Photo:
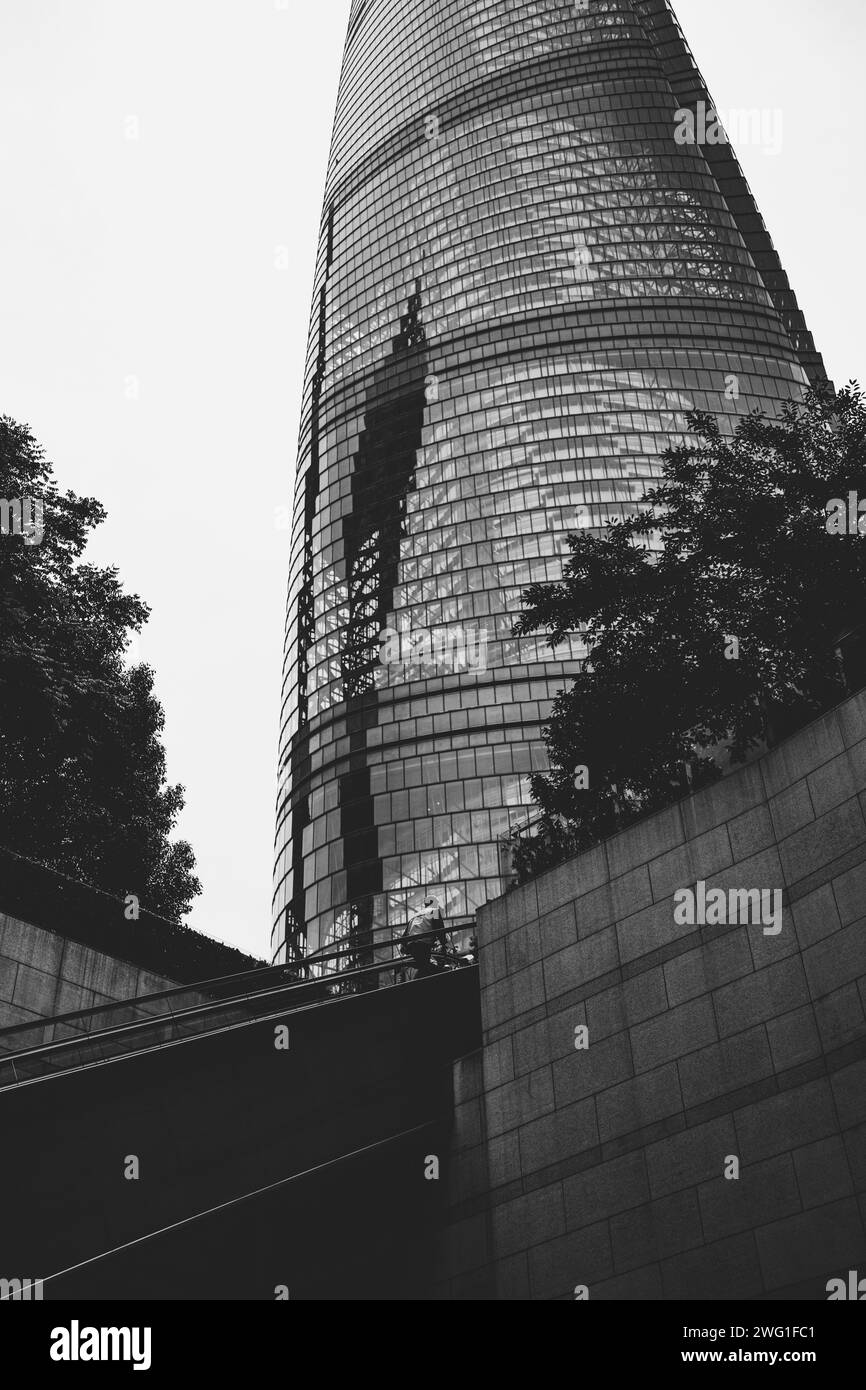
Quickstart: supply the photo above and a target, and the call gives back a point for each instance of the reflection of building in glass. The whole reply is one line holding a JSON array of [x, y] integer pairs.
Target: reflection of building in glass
[[523, 283]]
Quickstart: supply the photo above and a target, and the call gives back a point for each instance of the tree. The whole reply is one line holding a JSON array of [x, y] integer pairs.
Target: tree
[[82, 769], [715, 637]]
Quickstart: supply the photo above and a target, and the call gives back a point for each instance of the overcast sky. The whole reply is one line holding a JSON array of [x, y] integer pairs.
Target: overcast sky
[[155, 156]]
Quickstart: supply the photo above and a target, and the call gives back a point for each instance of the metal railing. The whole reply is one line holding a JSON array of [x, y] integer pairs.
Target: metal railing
[[177, 1015]]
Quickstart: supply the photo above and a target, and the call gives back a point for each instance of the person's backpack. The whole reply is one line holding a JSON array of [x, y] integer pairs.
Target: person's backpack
[[420, 931]]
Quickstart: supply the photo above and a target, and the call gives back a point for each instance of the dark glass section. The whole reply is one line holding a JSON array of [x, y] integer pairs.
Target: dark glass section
[[384, 467], [524, 283], [383, 472]]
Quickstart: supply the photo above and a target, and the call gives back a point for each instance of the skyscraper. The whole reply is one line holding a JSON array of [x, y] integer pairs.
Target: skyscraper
[[531, 265]]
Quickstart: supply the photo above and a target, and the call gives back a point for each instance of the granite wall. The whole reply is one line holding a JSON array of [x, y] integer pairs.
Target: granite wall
[[599, 1159], [43, 974]]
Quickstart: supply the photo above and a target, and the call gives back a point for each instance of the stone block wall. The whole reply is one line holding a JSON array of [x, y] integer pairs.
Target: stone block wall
[[43, 974], [604, 1166]]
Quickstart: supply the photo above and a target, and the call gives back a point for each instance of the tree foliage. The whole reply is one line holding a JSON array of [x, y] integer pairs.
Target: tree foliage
[[82, 769], [721, 636]]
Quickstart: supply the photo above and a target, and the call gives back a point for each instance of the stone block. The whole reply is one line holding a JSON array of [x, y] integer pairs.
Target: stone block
[[725, 1270], [766, 994], [586, 1072], [630, 892], [580, 964], [656, 1231], [8, 971], [39, 949], [579, 1257], [12, 1017], [467, 1175], [673, 1034], [714, 963], [503, 1159], [811, 747], [513, 996], [527, 1221], [761, 870], [794, 1038], [816, 916], [35, 991], [840, 1017], [815, 1243], [543, 938], [591, 870], [519, 1101], [723, 801], [823, 1172], [594, 912], [557, 1136], [763, 1192], [751, 832], [638, 1286], [691, 1157], [493, 963], [528, 942], [724, 1067], [697, 859], [648, 930], [605, 1190], [547, 1040], [467, 1124], [791, 810], [106, 974], [650, 837], [557, 887], [638, 1102], [849, 1091], [836, 961], [785, 1121], [851, 719], [632, 1002], [469, 1076], [498, 1063], [147, 983], [849, 891], [838, 780], [769, 950], [826, 839], [855, 1148], [71, 997], [508, 913]]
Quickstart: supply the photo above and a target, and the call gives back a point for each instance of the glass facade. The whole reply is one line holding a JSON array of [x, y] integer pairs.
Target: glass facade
[[523, 283]]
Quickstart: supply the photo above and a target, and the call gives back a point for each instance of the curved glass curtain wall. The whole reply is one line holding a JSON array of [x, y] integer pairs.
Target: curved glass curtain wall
[[523, 283]]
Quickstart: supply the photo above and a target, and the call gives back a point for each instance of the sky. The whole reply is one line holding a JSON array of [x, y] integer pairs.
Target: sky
[[162, 164]]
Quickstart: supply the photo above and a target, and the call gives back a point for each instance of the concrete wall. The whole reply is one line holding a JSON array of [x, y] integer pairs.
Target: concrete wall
[[43, 974], [605, 1167]]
